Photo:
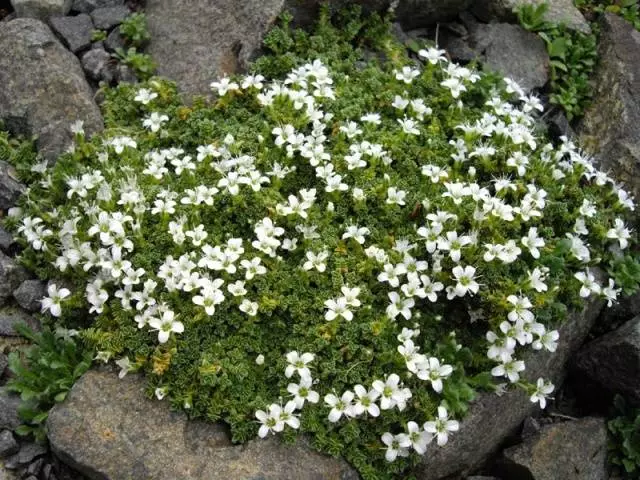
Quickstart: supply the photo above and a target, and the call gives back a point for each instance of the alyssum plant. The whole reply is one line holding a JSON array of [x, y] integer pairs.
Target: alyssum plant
[[349, 249]]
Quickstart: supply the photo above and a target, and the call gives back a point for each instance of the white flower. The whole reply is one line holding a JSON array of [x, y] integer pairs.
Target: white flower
[[253, 81], [391, 273], [298, 363], [407, 74], [433, 55], [373, 118], [432, 371], [144, 96], [351, 295], [418, 437], [317, 261], [271, 421], [125, 366], [536, 279], [465, 278], [77, 127], [610, 292], [249, 307], [441, 426], [339, 406], [337, 308], [521, 306], [165, 325], [400, 306], [357, 233], [397, 446], [154, 121], [253, 267], [409, 126], [542, 392], [260, 360], [224, 85], [454, 85], [365, 401], [532, 241], [396, 197], [53, 302], [589, 284], [391, 394], [621, 233], [302, 392], [510, 369]]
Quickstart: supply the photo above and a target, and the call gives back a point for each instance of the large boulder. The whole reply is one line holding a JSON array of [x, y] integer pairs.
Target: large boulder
[[43, 87], [492, 419], [575, 450], [611, 126], [108, 429], [558, 12], [41, 9], [613, 360], [513, 52], [195, 41]]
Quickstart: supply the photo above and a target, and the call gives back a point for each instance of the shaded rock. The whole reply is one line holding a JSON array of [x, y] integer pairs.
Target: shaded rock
[[9, 404], [87, 6], [41, 9], [106, 18], [418, 13], [613, 360], [75, 32], [492, 419], [558, 11], [28, 453], [619, 313], [575, 450], [114, 40], [8, 444], [10, 187], [4, 363], [10, 317], [458, 49], [29, 294], [7, 242], [97, 430], [11, 276], [610, 128], [35, 467], [513, 52], [43, 87], [99, 65], [204, 39], [125, 74]]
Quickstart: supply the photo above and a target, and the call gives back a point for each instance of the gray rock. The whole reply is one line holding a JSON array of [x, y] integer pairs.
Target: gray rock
[[41, 9], [125, 74], [9, 404], [611, 126], [43, 87], [8, 444], [458, 49], [419, 13], [87, 6], [575, 450], [114, 40], [196, 41], [99, 65], [613, 360], [29, 294], [10, 317], [11, 276], [106, 18], [35, 467], [7, 242], [28, 453], [10, 187], [513, 52], [558, 12], [4, 363], [97, 430], [75, 32], [492, 419]]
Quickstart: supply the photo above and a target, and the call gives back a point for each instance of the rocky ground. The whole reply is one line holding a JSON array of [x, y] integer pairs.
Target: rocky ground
[[49, 72]]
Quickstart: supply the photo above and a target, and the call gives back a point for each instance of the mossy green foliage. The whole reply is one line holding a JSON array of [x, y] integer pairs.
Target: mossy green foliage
[[627, 9], [210, 369], [624, 444], [573, 59]]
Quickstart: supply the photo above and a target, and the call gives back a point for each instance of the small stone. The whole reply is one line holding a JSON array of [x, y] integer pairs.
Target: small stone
[[9, 404], [41, 9], [46, 471], [10, 317], [530, 427], [8, 444], [126, 75], [28, 453], [575, 450], [98, 65], [7, 242], [29, 294], [4, 363], [87, 6], [11, 276], [75, 32], [108, 17], [10, 187], [114, 40], [35, 467]]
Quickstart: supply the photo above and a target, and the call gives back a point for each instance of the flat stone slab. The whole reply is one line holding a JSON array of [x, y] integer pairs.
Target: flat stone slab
[[108, 429]]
